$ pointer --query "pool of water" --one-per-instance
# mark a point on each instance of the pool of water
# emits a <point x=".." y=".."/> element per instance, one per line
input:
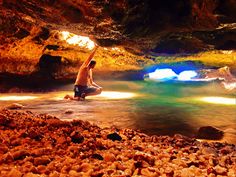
<point x="154" y="108"/>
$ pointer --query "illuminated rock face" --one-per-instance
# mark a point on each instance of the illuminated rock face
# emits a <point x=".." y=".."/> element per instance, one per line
<point x="29" y="31"/>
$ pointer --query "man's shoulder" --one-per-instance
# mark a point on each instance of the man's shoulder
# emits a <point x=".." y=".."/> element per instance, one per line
<point x="84" y="67"/>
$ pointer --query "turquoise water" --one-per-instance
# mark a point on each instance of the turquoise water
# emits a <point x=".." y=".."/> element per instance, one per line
<point x="178" y="108"/>
<point x="154" y="108"/>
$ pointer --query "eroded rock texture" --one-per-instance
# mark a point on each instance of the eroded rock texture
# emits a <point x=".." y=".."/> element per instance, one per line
<point x="29" y="30"/>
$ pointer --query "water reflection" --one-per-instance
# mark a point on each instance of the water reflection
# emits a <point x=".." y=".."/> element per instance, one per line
<point x="155" y="108"/>
<point x="219" y="100"/>
<point x="17" y="98"/>
<point x="104" y="95"/>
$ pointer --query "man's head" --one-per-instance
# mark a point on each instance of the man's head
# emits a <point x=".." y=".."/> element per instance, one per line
<point x="92" y="64"/>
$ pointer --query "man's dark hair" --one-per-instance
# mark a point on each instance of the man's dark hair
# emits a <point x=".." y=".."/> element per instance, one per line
<point x="92" y="62"/>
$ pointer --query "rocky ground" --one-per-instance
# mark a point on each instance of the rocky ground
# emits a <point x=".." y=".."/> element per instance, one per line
<point x="42" y="145"/>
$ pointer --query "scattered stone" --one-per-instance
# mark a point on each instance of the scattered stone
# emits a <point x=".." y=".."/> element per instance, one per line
<point x="14" y="173"/>
<point x="220" y="170"/>
<point x="108" y="157"/>
<point x="44" y="160"/>
<point x="20" y="154"/>
<point x="114" y="137"/>
<point x="141" y="156"/>
<point x="209" y="150"/>
<point x="79" y="148"/>
<point x="69" y="111"/>
<point x="3" y="148"/>
<point x="31" y="175"/>
<point x="34" y="134"/>
<point x="210" y="133"/>
<point x="6" y="158"/>
<point x="4" y="120"/>
<point x="97" y="156"/>
<point x="76" y="137"/>
<point x="15" y="106"/>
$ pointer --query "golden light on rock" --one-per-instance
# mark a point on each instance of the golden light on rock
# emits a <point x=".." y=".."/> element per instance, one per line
<point x="219" y="100"/>
<point x="116" y="49"/>
<point x="17" y="98"/>
<point x="229" y="86"/>
<point x="227" y="52"/>
<point x="73" y="39"/>
<point x="65" y="35"/>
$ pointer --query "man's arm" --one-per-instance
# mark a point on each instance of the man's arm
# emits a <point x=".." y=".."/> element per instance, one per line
<point x="86" y="62"/>
<point x="91" y="80"/>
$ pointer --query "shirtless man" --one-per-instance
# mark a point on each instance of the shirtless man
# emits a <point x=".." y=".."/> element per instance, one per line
<point x="84" y="84"/>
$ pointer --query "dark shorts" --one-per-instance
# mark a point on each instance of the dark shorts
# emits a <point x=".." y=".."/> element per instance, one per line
<point x="79" y="89"/>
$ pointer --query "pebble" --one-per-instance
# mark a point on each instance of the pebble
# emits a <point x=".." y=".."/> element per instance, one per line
<point x="14" y="106"/>
<point x="114" y="137"/>
<point x="34" y="145"/>
<point x="69" y="111"/>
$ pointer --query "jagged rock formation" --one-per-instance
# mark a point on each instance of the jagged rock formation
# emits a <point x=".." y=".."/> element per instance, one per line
<point x="28" y="31"/>
<point x="222" y="38"/>
<point x="112" y="21"/>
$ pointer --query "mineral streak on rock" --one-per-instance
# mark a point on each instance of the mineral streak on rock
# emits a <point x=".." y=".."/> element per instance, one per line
<point x="44" y="145"/>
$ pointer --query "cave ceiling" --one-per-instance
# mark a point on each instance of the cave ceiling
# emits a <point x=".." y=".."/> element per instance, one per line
<point x="140" y="27"/>
<point x="115" y="21"/>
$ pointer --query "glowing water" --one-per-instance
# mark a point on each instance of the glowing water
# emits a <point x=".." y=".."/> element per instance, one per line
<point x="155" y="108"/>
<point x="219" y="100"/>
<point x="17" y="98"/>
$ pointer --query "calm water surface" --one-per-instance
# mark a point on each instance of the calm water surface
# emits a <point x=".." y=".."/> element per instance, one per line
<point x="154" y="108"/>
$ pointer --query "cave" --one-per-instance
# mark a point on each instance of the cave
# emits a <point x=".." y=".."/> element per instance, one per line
<point x="117" y="88"/>
<point x="49" y="64"/>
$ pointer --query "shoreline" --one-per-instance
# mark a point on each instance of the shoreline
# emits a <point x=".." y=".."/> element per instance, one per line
<point x="34" y="144"/>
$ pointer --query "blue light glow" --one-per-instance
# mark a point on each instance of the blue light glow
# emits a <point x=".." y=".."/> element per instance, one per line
<point x="166" y="74"/>
<point x="187" y="75"/>
<point x="163" y="74"/>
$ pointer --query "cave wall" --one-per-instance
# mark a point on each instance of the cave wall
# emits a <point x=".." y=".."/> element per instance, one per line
<point x="139" y="27"/>
<point x="113" y="20"/>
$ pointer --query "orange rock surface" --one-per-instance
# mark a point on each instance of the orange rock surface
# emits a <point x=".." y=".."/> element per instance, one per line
<point x="41" y="145"/>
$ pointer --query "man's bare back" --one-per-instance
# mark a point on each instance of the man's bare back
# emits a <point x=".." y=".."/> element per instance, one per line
<point x="83" y="76"/>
